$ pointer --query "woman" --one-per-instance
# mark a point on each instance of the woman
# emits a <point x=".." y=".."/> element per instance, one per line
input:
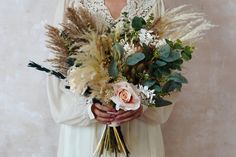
<point x="82" y="122"/>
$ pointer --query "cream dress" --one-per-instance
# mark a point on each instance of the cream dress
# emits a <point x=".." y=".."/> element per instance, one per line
<point x="79" y="132"/>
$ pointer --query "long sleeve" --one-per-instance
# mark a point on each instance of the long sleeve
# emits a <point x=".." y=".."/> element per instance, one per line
<point x="160" y="115"/>
<point x="67" y="107"/>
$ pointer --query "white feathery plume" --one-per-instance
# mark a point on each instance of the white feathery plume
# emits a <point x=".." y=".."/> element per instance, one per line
<point x="181" y="23"/>
<point x="198" y="32"/>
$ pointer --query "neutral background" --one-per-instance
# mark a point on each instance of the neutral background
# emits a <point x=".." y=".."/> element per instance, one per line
<point x="202" y="124"/>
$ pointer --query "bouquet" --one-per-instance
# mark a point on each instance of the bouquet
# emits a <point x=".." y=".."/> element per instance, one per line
<point x="136" y="61"/>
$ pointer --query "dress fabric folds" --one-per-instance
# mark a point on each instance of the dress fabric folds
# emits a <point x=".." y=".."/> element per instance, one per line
<point x="79" y="134"/>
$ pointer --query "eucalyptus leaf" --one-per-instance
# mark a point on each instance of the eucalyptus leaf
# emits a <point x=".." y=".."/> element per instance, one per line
<point x="160" y="102"/>
<point x="160" y="63"/>
<point x="165" y="51"/>
<point x="157" y="88"/>
<point x="119" y="50"/>
<point x="138" y="23"/>
<point x="135" y="58"/>
<point x="149" y="83"/>
<point x="113" y="69"/>
<point x="177" y="77"/>
<point x="171" y="86"/>
<point x="173" y="56"/>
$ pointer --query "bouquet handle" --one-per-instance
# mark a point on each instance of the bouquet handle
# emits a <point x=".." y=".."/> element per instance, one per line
<point x="112" y="142"/>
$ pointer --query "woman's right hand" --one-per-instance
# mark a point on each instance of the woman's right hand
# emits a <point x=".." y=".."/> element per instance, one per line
<point x="103" y="114"/>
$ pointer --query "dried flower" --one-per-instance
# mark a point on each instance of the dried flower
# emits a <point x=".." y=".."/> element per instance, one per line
<point x="129" y="49"/>
<point x="145" y="37"/>
<point x="149" y="94"/>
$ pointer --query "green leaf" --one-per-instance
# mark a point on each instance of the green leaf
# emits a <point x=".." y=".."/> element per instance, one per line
<point x="171" y="86"/>
<point x="160" y="63"/>
<point x="170" y="43"/>
<point x="165" y="51"/>
<point x="176" y="65"/>
<point x="119" y="50"/>
<point x="113" y="69"/>
<point x="186" y="56"/>
<point x="149" y="83"/>
<point x="138" y="23"/>
<point x="160" y="102"/>
<point x="147" y="52"/>
<point x="164" y="71"/>
<point x="187" y="53"/>
<point x="177" y="77"/>
<point x="146" y="48"/>
<point x="178" y="45"/>
<point x="157" y="88"/>
<point x="135" y="58"/>
<point x="173" y="56"/>
<point x="188" y="49"/>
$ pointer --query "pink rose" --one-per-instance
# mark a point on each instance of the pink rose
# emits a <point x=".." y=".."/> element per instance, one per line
<point x="125" y="97"/>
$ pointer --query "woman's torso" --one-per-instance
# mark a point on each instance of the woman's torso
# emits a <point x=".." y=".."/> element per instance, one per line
<point x="143" y="139"/>
<point x="133" y="8"/>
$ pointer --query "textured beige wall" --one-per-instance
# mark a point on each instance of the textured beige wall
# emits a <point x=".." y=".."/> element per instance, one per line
<point x="26" y="128"/>
<point x="202" y="124"/>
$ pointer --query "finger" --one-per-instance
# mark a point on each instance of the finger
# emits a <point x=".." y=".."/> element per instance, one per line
<point x="135" y="116"/>
<point x="128" y="114"/>
<point x="125" y="115"/>
<point x="120" y="112"/>
<point x="104" y="120"/>
<point x="102" y="114"/>
<point x="105" y="108"/>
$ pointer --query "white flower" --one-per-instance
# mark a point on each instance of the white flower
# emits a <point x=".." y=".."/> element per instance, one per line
<point x="160" y="43"/>
<point x="129" y="49"/>
<point x="149" y="94"/>
<point x="78" y="79"/>
<point x="122" y="42"/>
<point x="145" y="37"/>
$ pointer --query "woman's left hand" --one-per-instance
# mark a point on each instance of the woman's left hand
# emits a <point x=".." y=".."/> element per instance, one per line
<point x="125" y="116"/>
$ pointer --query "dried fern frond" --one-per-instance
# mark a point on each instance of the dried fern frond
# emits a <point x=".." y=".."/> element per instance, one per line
<point x="94" y="71"/>
<point x="181" y="23"/>
<point x="57" y="43"/>
<point x="80" y="21"/>
<point x="66" y="41"/>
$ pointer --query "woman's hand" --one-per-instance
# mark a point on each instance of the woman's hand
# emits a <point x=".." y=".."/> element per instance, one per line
<point x="103" y="114"/>
<point x="125" y="116"/>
